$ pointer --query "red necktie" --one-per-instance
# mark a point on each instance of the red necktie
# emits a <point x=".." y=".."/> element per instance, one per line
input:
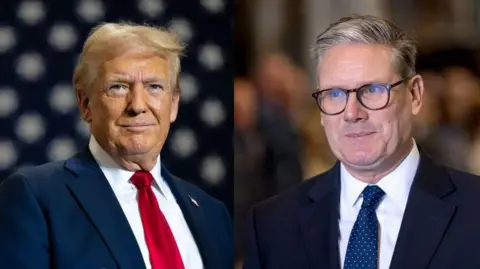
<point x="164" y="253"/>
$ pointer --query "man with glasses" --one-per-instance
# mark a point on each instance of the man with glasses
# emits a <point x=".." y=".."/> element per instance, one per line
<point x="385" y="203"/>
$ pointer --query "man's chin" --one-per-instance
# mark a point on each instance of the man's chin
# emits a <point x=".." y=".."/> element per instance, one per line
<point x="366" y="160"/>
<point x="134" y="147"/>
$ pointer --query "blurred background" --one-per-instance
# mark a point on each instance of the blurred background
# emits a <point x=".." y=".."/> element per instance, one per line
<point x="40" y="41"/>
<point x="278" y="139"/>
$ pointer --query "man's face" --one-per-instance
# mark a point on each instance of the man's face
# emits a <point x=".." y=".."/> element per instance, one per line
<point x="132" y="104"/>
<point x="360" y="137"/>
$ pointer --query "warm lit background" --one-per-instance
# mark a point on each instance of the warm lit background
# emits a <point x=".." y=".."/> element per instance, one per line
<point x="275" y="76"/>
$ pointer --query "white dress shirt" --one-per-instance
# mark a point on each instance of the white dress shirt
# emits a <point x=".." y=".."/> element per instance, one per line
<point x="126" y="193"/>
<point x="396" y="186"/>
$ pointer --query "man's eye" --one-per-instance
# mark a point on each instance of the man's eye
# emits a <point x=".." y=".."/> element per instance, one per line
<point x="117" y="87"/>
<point x="335" y="93"/>
<point x="156" y="87"/>
<point x="376" y="89"/>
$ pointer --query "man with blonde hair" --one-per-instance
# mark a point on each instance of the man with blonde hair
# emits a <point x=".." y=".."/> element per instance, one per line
<point x="114" y="205"/>
<point x="385" y="203"/>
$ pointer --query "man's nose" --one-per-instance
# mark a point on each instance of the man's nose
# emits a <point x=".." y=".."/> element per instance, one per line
<point x="138" y="98"/>
<point x="354" y="111"/>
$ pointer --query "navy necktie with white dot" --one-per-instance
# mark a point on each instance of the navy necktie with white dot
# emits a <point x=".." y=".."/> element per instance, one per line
<point x="362" y="249"/>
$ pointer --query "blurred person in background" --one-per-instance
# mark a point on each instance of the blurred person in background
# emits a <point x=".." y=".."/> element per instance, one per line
<point x="448" y="121"/>
<point x="114" y="205"/>
<point x="277" y="85"/>
<point x="249" y="158"/>
<point x="266" y="140"/>
<point x="385" y="203"/>
<point x="316" y="154"/>
<point x="463" y="104"/>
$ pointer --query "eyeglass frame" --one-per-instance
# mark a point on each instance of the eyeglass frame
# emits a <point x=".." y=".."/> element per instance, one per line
<point x="356" y="91"/>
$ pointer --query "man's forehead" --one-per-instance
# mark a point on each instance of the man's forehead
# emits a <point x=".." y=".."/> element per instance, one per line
<point x="354" y="65"/>
<point x="135" y="75"/>
<point x="353" y="80"/>
<point x="137" y="67"/>
<point x="356" y="55"/>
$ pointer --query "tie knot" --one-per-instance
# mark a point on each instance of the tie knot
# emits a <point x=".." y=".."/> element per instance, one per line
<point x="371" y="196"/>
<point x="142" y="179"/>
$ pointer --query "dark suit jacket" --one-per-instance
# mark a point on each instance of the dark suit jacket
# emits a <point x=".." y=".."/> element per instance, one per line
<point x="64" y="215"/>
<point x="440" y="227"/>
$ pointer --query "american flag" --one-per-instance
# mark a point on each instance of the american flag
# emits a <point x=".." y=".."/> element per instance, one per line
<point x="40" y="41"/>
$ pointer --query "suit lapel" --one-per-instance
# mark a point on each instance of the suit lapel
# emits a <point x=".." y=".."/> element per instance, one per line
<point x="318" y="216"/>
<point x="195" y="218"/>
<point x="426" y="217"/>
<point x="97" y="199"/>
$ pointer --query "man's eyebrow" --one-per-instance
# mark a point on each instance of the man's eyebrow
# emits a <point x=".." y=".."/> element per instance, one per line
<point x="127" y="78"/>
<point x="154" y="79"/>
<point x="119" y="77"/>
<point x="358" y="85"/>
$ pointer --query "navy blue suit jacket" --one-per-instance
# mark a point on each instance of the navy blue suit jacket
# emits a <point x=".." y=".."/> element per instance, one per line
<point x="64" y="215"/>
<point x="440" y="227"/>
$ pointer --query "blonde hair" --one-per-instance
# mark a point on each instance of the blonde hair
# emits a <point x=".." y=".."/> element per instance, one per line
<point x="369" y="29"/>
<point x="109" y="40"/>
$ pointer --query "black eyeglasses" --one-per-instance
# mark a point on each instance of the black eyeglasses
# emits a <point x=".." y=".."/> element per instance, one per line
<point x="373" y="96"/>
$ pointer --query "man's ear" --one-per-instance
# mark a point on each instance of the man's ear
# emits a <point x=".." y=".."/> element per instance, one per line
<point x="83" y="102"/>
<point x="416" y="93"/>
<point x="175" y="104"/>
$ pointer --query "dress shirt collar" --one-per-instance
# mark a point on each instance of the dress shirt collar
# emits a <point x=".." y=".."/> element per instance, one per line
<point x="396" y="184"/>
<point x="118" y="175"/>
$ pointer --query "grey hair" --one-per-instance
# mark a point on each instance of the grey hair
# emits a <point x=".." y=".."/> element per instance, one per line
<point x="367" y="29"/>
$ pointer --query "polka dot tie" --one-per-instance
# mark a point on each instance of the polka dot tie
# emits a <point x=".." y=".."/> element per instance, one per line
<point x="362" y="249"/>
